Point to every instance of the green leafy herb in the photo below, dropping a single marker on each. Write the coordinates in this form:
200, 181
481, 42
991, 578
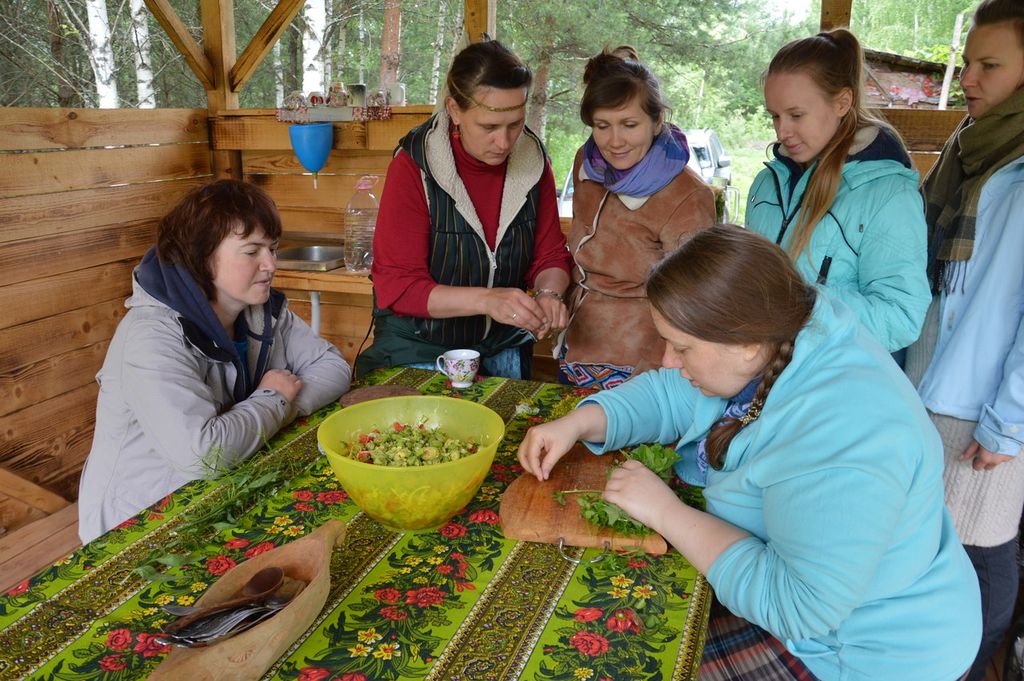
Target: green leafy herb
601, 513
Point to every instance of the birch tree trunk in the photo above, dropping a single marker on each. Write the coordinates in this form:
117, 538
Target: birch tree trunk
315, 15
279, 76
143, 68
101, 53
537, 116
435, 69
390, 44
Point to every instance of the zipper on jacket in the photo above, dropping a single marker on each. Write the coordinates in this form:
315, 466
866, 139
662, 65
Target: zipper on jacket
786, 219
492, 259
826, 264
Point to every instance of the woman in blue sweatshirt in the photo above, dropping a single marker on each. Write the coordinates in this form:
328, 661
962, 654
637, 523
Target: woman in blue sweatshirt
839, 193
825, 533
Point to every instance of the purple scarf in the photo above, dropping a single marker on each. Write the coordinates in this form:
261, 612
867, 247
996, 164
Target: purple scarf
665, 159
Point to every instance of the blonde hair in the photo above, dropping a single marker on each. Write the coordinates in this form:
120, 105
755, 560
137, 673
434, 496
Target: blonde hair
834, 61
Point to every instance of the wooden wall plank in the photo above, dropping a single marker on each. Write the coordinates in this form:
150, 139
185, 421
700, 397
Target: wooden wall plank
49, 441
252, 132
30, 493
55, 171
24, 386
923, 129
296, 191
15, 513
338, 163
329, 221
76, 128
38, 545
258, 129
22, 261
27, 217
63, 333
46, 297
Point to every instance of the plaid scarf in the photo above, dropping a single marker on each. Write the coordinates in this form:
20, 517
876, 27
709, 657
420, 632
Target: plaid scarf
952, 188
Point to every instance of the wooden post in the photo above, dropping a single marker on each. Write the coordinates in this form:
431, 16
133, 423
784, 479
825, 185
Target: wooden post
218, 17
835, 14
954, 49
479, 17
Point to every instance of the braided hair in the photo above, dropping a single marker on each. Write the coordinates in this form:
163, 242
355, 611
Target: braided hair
731, 286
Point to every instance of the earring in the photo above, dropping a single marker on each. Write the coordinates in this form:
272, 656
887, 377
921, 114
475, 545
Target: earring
457, 132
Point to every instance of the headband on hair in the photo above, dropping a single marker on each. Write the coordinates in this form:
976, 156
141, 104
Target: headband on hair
496, 109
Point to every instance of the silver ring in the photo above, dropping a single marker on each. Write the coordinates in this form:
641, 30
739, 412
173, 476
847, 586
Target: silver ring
514, 316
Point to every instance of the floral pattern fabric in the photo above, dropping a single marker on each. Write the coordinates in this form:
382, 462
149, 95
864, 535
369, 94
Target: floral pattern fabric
461, 602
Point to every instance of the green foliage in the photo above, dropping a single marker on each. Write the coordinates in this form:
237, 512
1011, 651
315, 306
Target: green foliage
601, 513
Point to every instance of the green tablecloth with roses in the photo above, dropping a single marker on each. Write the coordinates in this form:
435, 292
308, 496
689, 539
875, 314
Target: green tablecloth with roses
459, 603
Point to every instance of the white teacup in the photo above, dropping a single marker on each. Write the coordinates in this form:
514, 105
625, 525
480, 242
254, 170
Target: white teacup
460, 366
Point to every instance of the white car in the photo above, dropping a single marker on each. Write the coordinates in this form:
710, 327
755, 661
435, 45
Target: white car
707, 158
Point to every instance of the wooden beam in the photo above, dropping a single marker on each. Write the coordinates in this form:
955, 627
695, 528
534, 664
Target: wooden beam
479, 17
267, 35
183, 40
31, 493
835, 14
219, 40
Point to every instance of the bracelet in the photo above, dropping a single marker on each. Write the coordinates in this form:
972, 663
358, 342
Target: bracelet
548, 292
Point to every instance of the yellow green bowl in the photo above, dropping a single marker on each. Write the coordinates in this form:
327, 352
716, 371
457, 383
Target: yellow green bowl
415, 497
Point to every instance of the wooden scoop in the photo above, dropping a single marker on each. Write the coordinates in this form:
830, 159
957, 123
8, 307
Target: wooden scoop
260, 585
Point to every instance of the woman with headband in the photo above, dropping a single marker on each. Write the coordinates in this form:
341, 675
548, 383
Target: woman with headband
468, 251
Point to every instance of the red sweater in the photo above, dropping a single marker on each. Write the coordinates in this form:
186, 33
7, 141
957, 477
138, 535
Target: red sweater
401, 278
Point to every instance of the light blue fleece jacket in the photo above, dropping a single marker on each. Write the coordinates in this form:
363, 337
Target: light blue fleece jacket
853, 561
977, 370
874, 236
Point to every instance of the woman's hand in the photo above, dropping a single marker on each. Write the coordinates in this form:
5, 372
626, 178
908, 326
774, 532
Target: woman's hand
984, 460
514, 307
555, 314
639, 492
283, 381
545, 444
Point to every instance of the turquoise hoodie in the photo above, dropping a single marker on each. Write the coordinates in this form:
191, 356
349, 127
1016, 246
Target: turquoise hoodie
853, 561
870, 250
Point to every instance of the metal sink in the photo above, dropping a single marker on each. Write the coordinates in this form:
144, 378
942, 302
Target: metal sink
316, 258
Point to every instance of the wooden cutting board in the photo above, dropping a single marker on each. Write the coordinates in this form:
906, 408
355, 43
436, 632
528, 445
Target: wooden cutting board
529, 511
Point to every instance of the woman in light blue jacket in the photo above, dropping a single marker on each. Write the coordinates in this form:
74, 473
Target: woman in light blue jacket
839, 194
969, 363
825, 529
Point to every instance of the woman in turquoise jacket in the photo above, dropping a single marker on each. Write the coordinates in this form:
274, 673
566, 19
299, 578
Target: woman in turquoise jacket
839, 194
825, 533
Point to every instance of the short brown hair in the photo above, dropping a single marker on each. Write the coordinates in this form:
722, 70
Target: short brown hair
990, 12
190, 233
732, 286
615, 77
485, 64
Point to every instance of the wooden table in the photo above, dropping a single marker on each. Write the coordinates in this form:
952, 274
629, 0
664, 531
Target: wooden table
459, 603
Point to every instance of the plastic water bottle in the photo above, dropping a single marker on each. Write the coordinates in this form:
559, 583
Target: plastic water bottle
360, 220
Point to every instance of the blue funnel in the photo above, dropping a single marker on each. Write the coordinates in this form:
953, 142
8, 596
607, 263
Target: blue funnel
312, 144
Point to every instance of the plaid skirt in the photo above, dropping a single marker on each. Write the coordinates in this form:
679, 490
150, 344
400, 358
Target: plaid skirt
737, 650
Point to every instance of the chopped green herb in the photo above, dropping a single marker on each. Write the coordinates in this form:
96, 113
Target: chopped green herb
597, 511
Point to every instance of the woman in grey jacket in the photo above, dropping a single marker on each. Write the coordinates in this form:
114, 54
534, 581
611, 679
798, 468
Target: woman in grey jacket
207, 363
